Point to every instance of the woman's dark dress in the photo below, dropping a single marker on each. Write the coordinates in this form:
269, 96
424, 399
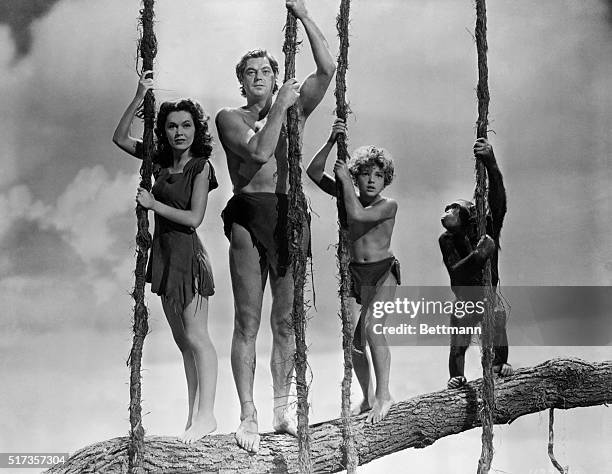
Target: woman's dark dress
179, 266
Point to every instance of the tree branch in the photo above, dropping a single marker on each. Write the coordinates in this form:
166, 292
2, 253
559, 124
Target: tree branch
414, 423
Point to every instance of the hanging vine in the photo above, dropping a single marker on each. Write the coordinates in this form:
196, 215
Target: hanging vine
551, 443
343, 257
487, 393
147, 48
296, 220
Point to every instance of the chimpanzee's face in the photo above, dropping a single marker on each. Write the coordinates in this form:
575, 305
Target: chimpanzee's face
451, 219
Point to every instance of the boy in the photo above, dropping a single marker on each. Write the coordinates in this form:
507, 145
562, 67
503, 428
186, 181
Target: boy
373, 267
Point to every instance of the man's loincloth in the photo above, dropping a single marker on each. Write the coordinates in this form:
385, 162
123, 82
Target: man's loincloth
367, 278
264, 216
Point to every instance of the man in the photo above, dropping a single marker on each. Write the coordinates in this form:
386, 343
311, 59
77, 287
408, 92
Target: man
254, 139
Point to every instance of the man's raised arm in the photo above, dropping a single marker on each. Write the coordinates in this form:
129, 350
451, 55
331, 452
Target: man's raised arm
316, 84
256, 145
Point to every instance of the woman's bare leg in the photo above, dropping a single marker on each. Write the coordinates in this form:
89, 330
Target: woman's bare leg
175, 321
195, 322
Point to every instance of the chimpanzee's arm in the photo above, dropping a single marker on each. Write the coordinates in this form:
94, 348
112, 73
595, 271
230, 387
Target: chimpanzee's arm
461, 270
497, 199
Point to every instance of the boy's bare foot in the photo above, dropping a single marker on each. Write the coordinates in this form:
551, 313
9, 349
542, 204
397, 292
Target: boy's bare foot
285, 421
361, 408
456, 382
504, 370
247, 434
200, 427
379, 410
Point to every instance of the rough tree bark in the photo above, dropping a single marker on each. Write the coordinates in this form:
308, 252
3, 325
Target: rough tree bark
415, 423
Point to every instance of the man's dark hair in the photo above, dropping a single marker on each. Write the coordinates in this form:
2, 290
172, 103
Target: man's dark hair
256, 53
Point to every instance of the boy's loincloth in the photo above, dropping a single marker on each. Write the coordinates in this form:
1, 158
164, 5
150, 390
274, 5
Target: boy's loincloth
264, 216
367, 278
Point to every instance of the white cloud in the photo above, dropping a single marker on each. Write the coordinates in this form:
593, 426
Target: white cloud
17, 203
82, 213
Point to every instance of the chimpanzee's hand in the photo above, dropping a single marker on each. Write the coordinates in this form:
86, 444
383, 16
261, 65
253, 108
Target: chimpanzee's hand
486, 246
484, 151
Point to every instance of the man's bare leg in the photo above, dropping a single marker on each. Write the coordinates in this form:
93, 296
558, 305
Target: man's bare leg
248, 281
361, 365
381, 357
283, 350
178, 333
195, 322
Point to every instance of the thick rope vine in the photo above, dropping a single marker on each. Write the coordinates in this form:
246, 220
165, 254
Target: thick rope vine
148, 49
296, 221
348, 443
487, 394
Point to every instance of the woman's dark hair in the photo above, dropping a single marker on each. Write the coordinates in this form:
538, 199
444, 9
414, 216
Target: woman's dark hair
202, 140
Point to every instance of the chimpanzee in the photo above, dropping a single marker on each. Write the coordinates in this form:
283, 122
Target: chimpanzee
465, 256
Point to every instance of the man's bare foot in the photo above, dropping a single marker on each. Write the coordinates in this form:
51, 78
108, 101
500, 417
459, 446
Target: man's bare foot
361, 408
456, 382
379, 410
285, 421
504, 370
247, 434
200, 427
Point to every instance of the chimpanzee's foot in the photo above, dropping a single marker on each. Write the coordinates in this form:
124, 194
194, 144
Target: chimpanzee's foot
456, 382
504, 370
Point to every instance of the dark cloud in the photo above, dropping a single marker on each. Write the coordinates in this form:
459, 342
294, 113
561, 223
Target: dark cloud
19, 15
35, 252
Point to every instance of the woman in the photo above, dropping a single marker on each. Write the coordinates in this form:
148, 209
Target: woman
179, 269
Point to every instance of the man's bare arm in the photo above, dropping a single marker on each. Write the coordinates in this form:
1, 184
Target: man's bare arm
316, 84
256, 145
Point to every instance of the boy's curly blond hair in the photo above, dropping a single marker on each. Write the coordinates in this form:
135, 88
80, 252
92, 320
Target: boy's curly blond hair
365, 157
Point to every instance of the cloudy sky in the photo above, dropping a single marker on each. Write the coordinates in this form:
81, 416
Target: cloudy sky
67, 71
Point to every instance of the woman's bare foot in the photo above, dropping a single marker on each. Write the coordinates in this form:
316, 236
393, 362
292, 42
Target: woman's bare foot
285, 421
456, 382
504, 370
361, 408
200, 427
379, 410
247, 434
190, 417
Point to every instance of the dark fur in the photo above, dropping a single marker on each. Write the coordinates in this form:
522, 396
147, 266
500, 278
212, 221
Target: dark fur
465, 267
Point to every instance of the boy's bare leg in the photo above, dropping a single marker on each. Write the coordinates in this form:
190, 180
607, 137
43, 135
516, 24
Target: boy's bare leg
195, 322
361, 366
283, 350
248, 281
178, 333
381, 357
